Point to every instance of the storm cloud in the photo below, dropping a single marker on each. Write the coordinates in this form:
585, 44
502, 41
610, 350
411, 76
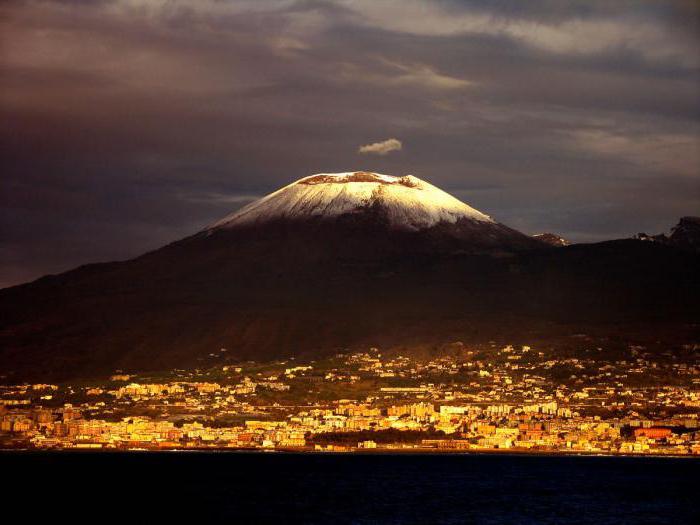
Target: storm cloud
128, 124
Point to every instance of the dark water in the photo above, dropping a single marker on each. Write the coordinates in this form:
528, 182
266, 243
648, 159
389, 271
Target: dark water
350, 489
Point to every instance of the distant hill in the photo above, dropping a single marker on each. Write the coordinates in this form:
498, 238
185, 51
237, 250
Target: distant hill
551, 239
684, 235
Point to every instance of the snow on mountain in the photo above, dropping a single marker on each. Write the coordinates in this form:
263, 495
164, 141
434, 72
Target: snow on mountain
409, 202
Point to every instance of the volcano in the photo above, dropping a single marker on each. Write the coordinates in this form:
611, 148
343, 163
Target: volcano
336, 261
348, 203
408, 202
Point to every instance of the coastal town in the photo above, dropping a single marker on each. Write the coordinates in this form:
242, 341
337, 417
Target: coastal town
490, 398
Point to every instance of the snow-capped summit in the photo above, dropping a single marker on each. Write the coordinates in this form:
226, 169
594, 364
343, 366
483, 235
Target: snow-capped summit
407, 202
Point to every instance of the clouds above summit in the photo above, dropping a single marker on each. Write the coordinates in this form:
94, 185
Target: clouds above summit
381, 148
130, 123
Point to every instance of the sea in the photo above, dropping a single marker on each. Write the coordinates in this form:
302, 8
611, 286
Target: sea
280, 488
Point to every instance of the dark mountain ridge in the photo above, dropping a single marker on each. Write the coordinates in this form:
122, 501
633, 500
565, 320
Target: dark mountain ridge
684, 235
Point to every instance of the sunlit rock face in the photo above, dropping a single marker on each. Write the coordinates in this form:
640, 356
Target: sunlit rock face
551, 239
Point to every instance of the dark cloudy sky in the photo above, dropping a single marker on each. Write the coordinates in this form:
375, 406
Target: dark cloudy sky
128, 124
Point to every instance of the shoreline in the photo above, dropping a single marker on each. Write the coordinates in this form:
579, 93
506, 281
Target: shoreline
369, 452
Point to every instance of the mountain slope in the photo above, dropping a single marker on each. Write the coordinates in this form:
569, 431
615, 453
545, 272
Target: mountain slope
317, 283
